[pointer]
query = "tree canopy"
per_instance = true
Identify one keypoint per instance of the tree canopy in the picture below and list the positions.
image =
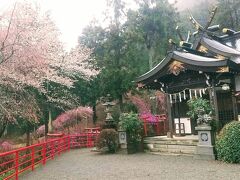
(229, 14)
(133, 42)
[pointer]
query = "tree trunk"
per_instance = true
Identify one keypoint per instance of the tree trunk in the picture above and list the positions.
(94, 113)
(68, 128)
(50, 127)
(120, 98)
(2, 130)
(46, 127)
(28, 134)
(150, 56)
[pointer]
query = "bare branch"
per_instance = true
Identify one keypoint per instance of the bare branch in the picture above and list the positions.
(8, 29)
(9, 56)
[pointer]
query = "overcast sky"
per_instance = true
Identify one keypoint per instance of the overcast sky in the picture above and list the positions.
(71, 16)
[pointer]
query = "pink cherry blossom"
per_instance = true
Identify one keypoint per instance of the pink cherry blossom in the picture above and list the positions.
(6, 146)
(69, 118)
(32, 54)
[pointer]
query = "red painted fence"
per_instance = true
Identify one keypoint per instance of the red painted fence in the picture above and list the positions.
(158, 125)
(14, 162)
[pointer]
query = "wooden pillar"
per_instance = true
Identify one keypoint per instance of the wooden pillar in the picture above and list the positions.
(234, 99)
(170, 118)
(213, 101)
(235, 109)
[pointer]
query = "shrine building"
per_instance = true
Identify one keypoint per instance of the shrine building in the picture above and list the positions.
(206, 65)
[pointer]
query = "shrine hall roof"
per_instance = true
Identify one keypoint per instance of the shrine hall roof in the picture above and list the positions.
(219, 48)
(182, 61)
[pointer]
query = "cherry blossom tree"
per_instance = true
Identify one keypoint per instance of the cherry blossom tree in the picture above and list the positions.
(17, 104)
(31, 59)
(143, 105)
(30, 48)
(68, 119)
(77, 61)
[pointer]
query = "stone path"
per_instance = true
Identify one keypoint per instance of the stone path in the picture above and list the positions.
(83, 164)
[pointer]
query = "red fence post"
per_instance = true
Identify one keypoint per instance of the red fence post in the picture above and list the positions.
(58, 146)
(145, 126)
(92, 140)
(89, 140)
(32, 158)
(158, 125)
(44, 153)
(52, 149)
(69, 141)
(89, 143)
(16, 164)
(64, 144)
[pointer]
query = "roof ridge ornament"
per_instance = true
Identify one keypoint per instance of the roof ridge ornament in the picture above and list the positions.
(208, 29)
(213, 13)
(179, 34)
(184, 43)
(228, 31)
(176, 67)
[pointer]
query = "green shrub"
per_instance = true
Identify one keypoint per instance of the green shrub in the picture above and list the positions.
(129, 107)
(216, 125)
(198, 103)
(228, 143)
(133, 127)
(108, 138)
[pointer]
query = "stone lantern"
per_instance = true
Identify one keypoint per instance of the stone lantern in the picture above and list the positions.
(108, 109)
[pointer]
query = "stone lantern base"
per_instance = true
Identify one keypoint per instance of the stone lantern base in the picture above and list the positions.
(204, 149)
(122, 135)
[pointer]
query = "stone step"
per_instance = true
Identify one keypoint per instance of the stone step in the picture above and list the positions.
(171, 146)
(162, 146)
(176, 149)
(169, 154)
(189, 143)
(173, 141)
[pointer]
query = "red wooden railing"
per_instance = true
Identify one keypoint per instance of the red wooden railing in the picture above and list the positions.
(14, 162)
(159, 124)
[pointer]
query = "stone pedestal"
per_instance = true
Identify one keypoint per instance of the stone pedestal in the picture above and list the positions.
(122, 138)
(204, 149)
(169, 135)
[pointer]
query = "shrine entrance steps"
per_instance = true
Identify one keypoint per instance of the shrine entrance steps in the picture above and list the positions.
(184, 145)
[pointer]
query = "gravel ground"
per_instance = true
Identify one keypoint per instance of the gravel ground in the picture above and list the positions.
(83, 164)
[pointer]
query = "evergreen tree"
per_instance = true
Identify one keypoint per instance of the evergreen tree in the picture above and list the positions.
(229, 14)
